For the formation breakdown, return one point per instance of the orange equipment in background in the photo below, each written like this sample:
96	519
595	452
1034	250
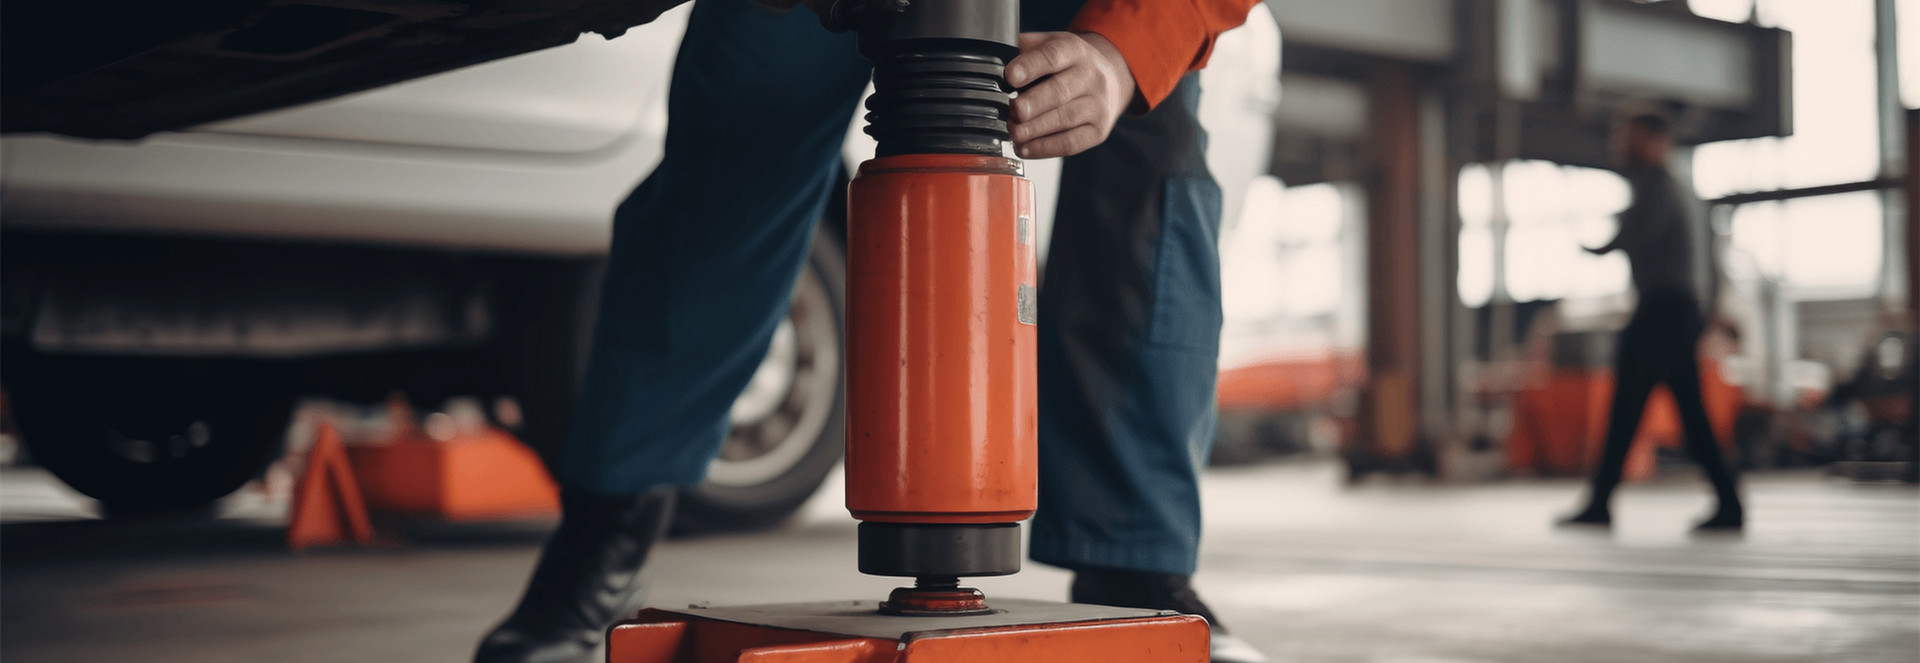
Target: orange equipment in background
1291	383
472	475
1560	424
327	509
481	473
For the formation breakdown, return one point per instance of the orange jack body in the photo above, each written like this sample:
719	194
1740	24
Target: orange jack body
941	380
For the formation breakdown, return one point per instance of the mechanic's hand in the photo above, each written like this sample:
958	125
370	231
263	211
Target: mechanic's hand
1073	87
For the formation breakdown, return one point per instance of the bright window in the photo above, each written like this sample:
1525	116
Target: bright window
1835	123
1285	258
1823	248
1732	11
1552	210
1475	280
1906	16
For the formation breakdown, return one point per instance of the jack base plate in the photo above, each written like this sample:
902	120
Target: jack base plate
855	632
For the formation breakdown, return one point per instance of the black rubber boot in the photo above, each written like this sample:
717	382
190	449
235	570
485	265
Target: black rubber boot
1159	591
1592	516
1727	518
588	574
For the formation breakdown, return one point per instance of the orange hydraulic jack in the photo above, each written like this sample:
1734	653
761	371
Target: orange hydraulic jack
941	383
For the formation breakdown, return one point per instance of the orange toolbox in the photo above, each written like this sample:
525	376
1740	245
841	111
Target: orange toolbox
474	475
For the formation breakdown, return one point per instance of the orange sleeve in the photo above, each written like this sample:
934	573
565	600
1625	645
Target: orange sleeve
1161	40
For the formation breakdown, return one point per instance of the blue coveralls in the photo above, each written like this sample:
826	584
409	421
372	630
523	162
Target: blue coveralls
706	251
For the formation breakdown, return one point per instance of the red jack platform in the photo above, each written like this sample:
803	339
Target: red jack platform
855	632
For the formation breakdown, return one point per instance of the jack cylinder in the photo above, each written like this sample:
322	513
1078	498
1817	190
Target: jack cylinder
941	380
942	460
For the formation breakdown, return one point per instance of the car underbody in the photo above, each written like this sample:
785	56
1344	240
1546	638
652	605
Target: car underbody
126	68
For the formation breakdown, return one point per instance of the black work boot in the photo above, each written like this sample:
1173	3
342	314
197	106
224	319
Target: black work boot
1729	517
588	574
1595	515
1160	591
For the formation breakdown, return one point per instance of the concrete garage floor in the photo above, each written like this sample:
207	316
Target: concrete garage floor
1310	571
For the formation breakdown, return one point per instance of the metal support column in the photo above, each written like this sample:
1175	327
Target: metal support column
1389	426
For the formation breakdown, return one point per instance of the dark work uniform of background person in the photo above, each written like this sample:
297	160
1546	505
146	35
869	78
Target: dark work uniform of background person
706	251
1658	345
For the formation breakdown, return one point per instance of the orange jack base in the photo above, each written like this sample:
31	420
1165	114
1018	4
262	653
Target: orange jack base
852	632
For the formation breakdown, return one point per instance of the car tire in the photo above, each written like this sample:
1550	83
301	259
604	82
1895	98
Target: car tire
788	426
755	483
148	435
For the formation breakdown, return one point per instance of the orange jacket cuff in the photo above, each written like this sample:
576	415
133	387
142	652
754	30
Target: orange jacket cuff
1161	40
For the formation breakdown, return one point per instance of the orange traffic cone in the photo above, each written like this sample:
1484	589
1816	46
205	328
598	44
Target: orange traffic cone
327	508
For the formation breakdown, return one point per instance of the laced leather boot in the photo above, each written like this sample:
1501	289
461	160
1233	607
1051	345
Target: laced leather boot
589	573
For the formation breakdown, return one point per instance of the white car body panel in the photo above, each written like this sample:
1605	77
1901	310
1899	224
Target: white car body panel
578	99
524	155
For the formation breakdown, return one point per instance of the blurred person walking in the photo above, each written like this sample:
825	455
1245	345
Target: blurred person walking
1659	344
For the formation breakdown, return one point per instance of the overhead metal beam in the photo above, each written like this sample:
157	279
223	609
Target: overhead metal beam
1403	30
1559	68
